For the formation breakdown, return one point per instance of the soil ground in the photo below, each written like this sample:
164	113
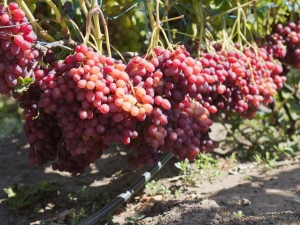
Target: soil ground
271	198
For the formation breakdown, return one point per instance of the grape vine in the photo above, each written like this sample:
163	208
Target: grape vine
163	101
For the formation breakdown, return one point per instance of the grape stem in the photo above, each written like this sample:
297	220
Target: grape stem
88	4
225	44
85	12
97	33
236	29
166	19
174	18
156	30
152	22
75	25
178	32
200	19
64	26
64	19
159	26
88	25
35	25
167	9
132	88
32	69
104	23
118	53
93	46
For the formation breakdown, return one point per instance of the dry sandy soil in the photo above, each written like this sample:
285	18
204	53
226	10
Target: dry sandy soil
272	198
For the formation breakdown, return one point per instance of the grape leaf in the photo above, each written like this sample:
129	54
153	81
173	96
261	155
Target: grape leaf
23	84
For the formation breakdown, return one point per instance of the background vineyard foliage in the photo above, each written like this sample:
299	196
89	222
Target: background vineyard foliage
129	31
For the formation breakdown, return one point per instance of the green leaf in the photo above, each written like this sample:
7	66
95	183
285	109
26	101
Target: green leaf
178	165
130	219
27	80
23	84
140	217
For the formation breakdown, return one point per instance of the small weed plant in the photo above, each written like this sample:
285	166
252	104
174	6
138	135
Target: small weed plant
156	187
207	168
77	216
239	214
204	168
133	219
187	172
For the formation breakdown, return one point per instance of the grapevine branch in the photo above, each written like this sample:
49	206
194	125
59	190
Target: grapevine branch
88	29
62	43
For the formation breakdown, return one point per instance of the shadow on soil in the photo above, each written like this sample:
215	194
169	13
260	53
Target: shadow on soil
273	199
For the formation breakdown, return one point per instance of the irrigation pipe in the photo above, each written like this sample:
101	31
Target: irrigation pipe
106	210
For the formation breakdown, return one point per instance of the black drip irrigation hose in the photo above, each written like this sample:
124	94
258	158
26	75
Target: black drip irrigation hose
106	210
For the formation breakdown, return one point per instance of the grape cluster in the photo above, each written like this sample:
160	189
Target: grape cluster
284	43
162	102
233	80
16	54
94	100
178	122
239	80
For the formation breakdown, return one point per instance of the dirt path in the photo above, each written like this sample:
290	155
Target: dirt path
265	199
